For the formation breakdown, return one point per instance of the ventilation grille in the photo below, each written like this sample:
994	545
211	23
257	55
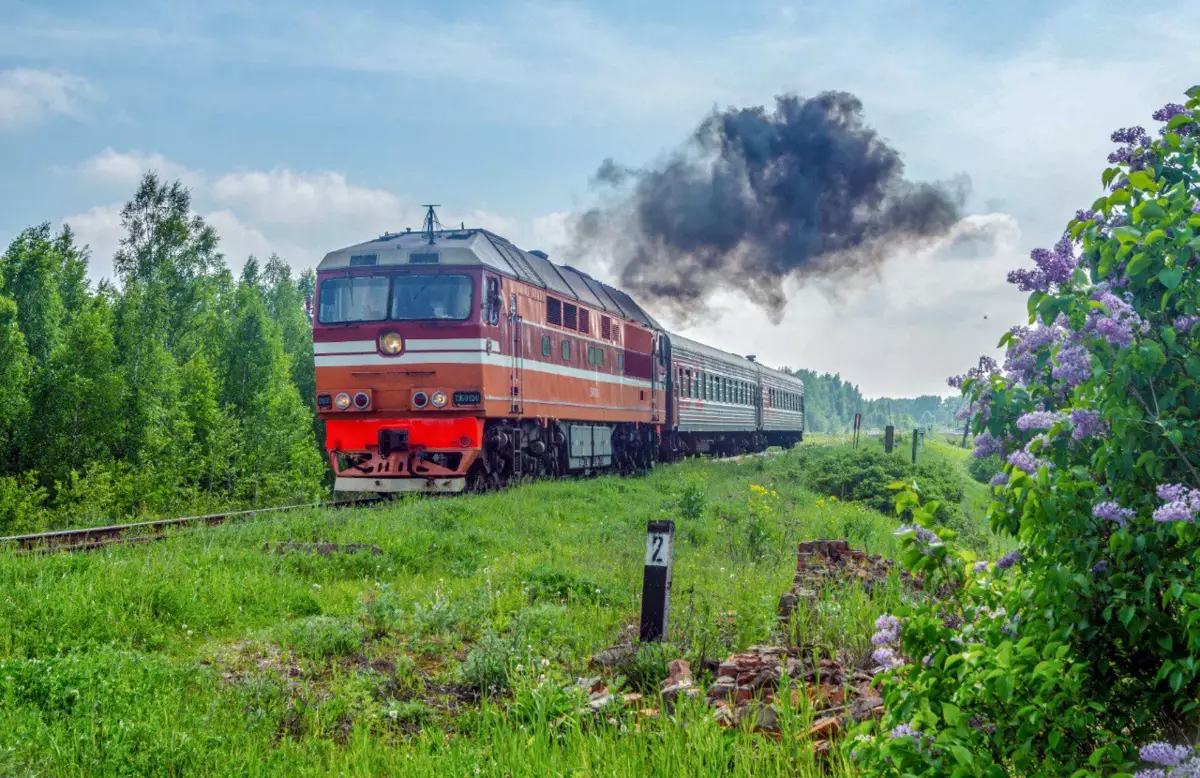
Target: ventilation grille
553	311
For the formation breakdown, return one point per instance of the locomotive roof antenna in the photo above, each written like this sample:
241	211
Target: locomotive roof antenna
431	222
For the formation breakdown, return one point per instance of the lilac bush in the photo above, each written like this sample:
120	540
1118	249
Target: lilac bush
1096	413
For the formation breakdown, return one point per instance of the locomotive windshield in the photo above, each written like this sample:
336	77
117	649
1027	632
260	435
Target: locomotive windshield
432	297
364	298
413	298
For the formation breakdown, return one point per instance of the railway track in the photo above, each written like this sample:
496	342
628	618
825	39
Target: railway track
92	538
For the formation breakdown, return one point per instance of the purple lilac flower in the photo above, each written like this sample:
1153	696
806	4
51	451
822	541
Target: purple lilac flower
1020	360
888	627
1171	492
1114	331
1053	267
1182	503
1023	460
927	660
1177	510
1008	560
1168	112
888	658
1154	773
1112	512
906	730
1086	424
1118	326
986	445
986	368
1074	366
1196	207
1131	135
1038	420
1101	567
1164	754
980	567
999	479
1185	323
981	725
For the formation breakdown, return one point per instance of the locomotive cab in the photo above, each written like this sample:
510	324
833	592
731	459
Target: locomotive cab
401	345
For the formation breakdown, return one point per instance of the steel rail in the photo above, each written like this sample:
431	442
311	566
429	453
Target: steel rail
91	538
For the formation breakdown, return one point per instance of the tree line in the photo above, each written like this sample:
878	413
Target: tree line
177	388
830	404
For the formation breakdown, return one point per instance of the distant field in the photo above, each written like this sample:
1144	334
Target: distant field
451	652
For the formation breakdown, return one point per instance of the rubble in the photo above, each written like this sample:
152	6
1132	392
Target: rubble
822	562
742	692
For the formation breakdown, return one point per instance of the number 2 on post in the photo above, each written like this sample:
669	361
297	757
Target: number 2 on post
657	551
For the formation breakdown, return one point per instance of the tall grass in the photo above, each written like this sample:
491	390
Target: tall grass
454	652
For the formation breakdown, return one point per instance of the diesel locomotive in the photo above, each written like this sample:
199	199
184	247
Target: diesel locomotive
451	360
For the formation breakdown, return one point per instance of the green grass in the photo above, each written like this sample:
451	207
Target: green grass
455	652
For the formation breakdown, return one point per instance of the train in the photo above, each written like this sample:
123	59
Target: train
450	360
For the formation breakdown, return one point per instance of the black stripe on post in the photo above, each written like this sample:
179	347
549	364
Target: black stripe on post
656	581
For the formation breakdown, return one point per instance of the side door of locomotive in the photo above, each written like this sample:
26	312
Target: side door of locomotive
496	332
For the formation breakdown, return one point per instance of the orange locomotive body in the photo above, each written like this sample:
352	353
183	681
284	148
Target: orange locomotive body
451	360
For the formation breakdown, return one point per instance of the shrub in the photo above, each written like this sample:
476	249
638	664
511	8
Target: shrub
984	469
1062	656
21	505
864	476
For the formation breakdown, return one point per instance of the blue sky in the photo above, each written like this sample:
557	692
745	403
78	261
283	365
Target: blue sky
302	127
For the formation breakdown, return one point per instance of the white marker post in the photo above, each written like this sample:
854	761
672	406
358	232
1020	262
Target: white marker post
656	581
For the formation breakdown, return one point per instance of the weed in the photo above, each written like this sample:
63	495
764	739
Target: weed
487	667
318	637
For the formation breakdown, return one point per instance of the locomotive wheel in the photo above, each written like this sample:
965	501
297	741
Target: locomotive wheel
477	480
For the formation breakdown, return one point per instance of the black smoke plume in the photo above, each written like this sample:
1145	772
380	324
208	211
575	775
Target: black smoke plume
755	197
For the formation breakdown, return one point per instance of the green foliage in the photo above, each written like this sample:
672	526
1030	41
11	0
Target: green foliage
647	669
865	475
180	391
1085	645
983	469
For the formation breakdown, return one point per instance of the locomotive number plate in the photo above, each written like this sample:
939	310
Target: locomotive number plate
467	398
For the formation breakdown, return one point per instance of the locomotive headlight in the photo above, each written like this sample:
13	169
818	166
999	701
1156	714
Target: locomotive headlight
391	343
342	401
438	399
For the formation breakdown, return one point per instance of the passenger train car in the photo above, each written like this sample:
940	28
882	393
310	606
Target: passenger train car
451	360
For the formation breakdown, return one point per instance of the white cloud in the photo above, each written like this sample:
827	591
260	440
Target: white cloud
901	334
30	96
282	196
126	168
100	229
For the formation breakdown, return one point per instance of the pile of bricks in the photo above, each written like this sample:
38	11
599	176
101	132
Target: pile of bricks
820	563
747	682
